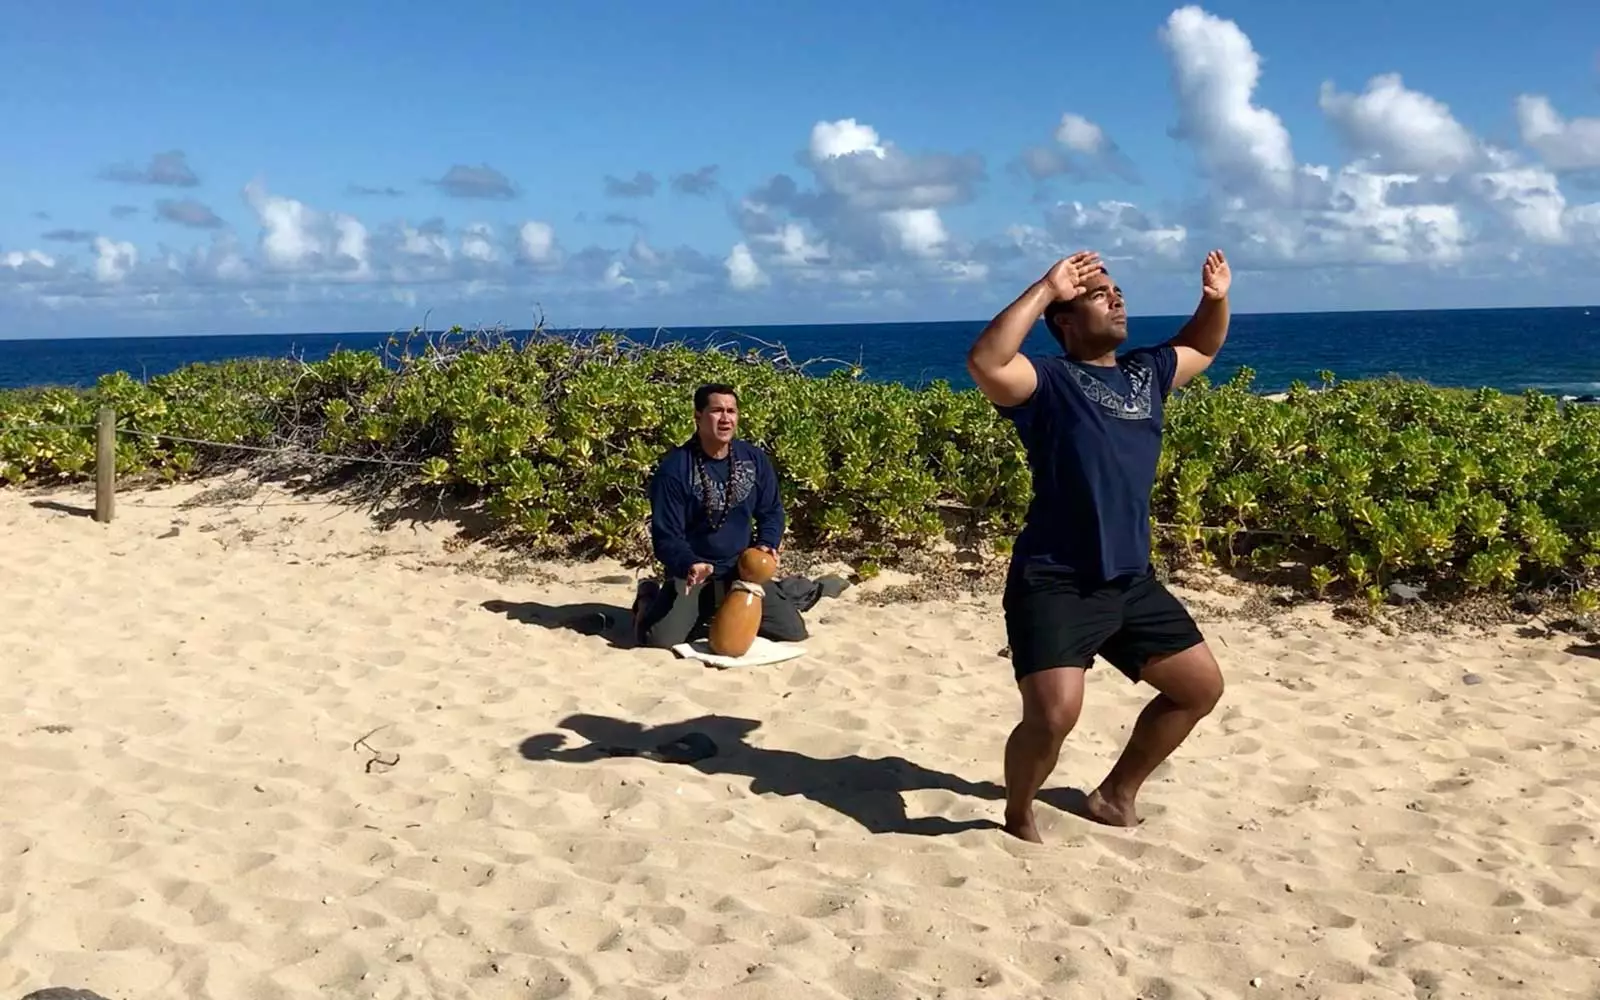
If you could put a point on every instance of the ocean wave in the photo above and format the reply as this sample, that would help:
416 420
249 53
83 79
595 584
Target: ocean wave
1569 388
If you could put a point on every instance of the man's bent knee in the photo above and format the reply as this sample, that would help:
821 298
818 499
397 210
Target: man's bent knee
1052 700
1191 679
671 617
781 621
656 638
784 632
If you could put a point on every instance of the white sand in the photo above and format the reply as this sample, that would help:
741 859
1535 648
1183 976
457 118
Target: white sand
185 815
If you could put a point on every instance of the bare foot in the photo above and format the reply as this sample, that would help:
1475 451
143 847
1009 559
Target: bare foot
1103 810
1023 829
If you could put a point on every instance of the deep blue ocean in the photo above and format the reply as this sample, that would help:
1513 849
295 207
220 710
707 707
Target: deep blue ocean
1555 350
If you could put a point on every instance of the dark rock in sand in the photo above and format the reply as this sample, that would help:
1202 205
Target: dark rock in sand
63 993
1471 679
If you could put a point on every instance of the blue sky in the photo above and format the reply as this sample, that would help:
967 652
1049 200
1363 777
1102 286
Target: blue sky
206 168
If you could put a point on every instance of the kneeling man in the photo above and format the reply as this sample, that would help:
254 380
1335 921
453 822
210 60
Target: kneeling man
713 497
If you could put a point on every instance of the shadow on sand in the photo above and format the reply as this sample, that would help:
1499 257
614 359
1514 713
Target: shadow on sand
612 622
62 508
864 789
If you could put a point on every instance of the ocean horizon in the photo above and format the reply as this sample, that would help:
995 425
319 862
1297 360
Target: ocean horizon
1551 349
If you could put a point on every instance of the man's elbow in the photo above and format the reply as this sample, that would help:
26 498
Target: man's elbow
977 366
985 374
1010 384
1195 352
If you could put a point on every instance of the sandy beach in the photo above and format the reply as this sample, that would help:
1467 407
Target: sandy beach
261 748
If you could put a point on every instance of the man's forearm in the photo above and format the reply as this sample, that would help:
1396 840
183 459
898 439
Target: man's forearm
769 516
669 520
1207 328
675 555
770 528
1002 338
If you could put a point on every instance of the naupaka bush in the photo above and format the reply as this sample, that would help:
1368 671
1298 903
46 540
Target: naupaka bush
1353 483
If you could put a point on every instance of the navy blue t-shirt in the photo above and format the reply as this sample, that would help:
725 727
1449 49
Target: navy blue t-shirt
1093 438
705 510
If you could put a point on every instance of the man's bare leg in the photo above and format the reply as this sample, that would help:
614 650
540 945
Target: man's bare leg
1051 701
1189 685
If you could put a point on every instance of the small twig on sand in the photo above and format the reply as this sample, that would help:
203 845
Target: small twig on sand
378 756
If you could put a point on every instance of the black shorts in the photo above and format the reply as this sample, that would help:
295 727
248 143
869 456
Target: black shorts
1054 619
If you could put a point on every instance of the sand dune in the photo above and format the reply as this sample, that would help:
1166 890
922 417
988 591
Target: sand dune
188 812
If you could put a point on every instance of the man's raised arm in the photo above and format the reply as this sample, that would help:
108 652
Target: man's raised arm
1199 340
995 363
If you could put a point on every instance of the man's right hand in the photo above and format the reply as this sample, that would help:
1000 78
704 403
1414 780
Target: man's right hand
995 362
1068 278
698 573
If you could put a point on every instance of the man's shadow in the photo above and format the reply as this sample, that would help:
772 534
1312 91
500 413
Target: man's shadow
866 789
609 621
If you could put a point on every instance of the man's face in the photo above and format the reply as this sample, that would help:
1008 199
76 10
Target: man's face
1099 315
719 419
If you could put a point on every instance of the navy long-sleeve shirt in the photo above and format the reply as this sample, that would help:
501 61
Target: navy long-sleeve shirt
684 530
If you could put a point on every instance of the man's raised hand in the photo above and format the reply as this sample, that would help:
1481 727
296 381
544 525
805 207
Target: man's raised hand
1068 277
1215 276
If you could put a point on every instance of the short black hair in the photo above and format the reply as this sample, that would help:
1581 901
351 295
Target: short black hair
702 395
1058 307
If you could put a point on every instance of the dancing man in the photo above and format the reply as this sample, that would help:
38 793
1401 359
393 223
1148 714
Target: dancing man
1081 581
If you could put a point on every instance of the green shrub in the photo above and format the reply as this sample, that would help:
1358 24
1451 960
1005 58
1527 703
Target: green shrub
1354 483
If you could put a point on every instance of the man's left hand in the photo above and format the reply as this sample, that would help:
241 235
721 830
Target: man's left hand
769 550
1215 276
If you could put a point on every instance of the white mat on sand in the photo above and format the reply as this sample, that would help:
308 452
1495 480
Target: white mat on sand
762 652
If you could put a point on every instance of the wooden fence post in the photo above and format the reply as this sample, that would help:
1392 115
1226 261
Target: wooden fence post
105 465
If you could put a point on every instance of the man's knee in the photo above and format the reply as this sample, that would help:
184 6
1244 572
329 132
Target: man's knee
781 621
1052 700
1191 679
785 629
670 618
1212 691
1058 718
657 637
661 632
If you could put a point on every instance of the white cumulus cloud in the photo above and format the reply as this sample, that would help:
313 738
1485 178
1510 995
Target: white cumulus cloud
1422 189
743 271
1404 130
19 259
477 243
113 260
1563 144
1080 135
831 140
296 237
537 242
919 230
1215 70
1409 198
1115 228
